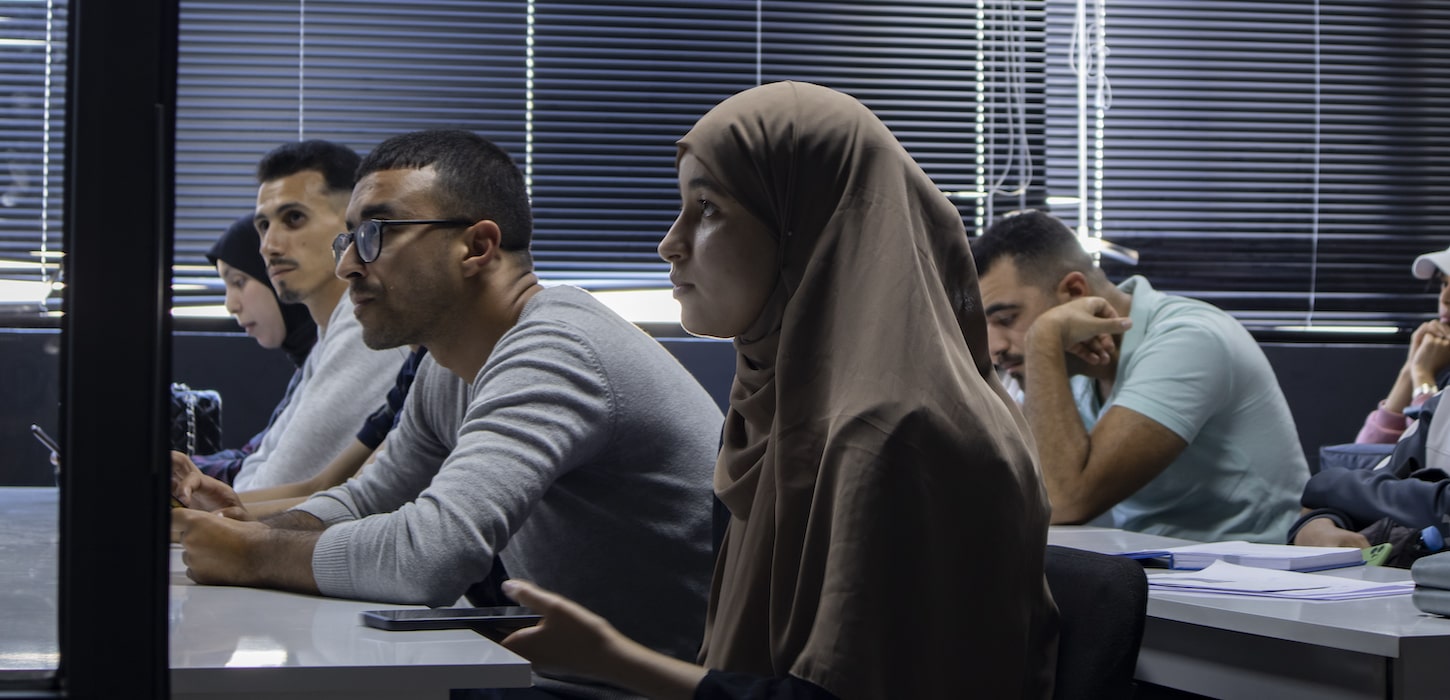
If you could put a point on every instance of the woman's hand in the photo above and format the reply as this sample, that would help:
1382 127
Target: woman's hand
571 640
1429 351
1322 532
197 490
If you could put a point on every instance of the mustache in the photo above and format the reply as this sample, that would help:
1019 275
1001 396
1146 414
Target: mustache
362 286
273 262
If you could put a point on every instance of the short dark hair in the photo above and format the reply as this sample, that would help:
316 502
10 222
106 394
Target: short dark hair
336 162
476 179
1042 247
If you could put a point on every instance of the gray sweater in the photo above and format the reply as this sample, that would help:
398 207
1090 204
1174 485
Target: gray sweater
581 455
342 382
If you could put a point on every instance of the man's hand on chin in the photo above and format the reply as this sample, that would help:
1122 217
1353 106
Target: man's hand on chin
1083 327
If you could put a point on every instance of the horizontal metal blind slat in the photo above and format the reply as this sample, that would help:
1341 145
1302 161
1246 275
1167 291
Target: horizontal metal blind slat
1228 133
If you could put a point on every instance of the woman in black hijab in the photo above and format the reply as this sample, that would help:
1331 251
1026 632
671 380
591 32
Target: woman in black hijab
252 301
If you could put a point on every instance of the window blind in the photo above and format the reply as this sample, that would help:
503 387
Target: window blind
615 84
32 138
254 75
933 72
1284 160
588 97
1280 159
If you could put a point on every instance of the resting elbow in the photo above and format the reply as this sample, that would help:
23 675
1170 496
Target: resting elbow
1075 512
1059 518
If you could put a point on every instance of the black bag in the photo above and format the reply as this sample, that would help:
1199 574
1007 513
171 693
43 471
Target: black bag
196 420
1405 544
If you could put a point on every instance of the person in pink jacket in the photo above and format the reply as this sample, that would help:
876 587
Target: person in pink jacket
1428 359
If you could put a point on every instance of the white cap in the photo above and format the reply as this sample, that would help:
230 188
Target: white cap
1425 265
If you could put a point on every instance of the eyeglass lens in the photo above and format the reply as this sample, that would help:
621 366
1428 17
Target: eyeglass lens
366 236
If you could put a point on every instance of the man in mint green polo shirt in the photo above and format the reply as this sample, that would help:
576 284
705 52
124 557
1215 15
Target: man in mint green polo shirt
1157 408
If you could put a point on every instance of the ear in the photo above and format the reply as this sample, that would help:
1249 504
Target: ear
482 239
1072 286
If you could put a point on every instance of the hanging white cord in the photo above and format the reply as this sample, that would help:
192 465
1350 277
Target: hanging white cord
1314 195
1017 60
982 208
1001 90
759 25
529 104
1013 14
45 149
1078 59
301 63
1001 106
1102 101
1087 57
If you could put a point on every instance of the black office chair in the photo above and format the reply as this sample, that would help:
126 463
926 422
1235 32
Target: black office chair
1103 601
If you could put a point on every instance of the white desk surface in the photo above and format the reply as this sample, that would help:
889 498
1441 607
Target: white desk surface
1345 637
243 642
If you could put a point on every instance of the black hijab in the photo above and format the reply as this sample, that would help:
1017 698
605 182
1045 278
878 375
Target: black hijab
240 248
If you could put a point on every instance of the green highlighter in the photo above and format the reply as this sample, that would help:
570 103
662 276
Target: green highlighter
1376 555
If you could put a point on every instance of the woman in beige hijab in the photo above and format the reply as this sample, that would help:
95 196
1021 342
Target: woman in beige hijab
887 519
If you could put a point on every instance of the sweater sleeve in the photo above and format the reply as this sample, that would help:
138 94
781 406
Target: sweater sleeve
1382 427
539 407
1368 495
415 451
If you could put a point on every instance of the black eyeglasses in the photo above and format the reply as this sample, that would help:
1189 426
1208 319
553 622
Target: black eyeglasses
369 236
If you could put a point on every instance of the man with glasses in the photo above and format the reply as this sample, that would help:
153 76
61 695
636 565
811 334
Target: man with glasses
543 430
1157 409
301 202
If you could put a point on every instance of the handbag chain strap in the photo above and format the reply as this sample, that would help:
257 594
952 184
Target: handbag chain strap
190 418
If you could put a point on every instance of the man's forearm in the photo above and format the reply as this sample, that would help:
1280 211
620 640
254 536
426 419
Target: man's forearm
286 551
222 551
1063 444
286 560
294 520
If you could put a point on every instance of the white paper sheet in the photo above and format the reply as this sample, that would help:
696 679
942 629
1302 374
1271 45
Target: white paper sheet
1231 579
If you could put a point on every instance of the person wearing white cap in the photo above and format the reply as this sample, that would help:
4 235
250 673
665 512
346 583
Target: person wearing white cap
1426 364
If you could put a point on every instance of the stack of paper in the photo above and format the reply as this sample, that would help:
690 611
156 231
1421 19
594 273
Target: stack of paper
1268 556
1231 579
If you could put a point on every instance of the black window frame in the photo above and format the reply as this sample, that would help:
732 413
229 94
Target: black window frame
114 516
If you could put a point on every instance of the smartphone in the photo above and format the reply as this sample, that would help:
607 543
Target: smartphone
49 442
502 618
44 439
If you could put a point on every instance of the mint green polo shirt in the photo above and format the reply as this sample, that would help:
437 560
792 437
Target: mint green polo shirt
1196 371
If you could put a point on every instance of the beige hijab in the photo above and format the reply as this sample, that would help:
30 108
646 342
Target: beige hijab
888 520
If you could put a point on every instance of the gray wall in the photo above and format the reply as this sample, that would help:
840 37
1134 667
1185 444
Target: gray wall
1332 387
